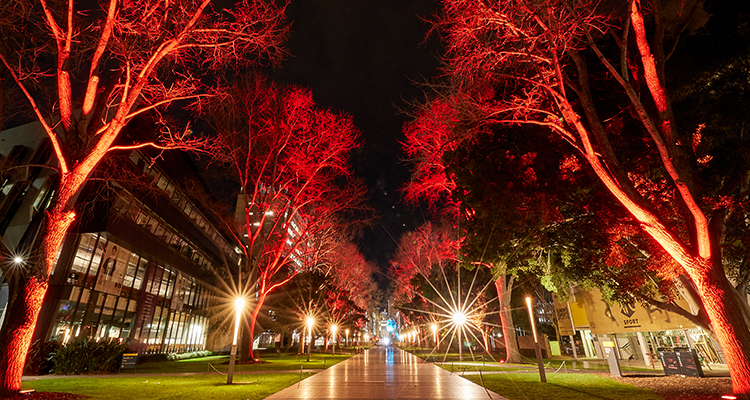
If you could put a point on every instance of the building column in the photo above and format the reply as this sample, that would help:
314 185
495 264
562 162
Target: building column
573 345
644 349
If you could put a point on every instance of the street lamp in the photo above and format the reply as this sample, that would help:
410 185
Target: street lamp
17 260
459 319
435 336
333 330
537 350
347 337
239 304
310 323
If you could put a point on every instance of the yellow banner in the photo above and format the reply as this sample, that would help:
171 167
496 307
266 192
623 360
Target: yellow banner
563 317
615 318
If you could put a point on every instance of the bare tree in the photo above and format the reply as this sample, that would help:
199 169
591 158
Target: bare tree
290 161
131 58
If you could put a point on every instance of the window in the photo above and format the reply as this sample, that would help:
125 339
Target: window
135 157
162 183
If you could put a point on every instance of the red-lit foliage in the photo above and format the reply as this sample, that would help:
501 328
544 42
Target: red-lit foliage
107 66
428 249
572 67
291 163
420 270
428 138
351 273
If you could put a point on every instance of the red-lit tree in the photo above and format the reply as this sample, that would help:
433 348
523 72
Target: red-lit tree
291 162
519 214
428 249
350 272
106 66
573 67
491 189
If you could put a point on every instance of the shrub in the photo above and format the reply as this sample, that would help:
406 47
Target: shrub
88 356
191 354
149 358
38 360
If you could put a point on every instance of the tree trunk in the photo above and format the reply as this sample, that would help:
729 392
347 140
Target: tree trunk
728 320
27 291
513 355
20 321
253 319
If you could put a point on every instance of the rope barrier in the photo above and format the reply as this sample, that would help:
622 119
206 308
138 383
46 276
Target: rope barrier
211 365
482 379
561 365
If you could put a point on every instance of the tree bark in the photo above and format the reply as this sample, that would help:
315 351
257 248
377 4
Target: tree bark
253 320
727 319
504 290
27 290
15 338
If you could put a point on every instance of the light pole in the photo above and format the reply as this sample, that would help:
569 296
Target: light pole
537 350
310 323
435 336
459 319
239 304
347 338
333 348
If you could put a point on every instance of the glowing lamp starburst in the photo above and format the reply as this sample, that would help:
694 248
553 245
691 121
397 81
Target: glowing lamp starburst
459 318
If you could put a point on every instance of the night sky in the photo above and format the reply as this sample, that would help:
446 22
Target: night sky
367 58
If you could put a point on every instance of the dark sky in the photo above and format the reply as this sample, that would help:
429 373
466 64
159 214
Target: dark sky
366 58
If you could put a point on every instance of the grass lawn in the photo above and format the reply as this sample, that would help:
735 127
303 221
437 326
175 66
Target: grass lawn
523 386
271 363
494 365
170 387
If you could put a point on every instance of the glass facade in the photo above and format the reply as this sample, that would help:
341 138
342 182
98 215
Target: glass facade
113 292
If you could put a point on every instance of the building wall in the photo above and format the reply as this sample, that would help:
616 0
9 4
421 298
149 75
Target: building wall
112 291
139 266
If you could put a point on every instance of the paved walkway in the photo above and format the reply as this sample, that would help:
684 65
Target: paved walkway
385 372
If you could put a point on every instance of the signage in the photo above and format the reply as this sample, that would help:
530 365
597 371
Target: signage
129 360
669 361
564 322
605 317
689 363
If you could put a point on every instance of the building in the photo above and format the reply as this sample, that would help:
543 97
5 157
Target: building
634 331
140 265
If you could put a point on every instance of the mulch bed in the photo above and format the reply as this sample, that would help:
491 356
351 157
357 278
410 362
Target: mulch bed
45 396
678 388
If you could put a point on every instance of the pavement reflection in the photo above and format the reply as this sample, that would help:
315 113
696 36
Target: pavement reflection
385 372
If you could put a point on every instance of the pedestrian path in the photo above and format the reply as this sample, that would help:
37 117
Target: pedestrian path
385 372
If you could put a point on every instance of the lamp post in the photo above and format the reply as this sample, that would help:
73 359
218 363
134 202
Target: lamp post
459 319
333 348
347 338
310 323
435 336
537 350
239 304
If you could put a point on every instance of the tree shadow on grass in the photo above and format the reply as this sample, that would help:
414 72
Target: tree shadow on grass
591 395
